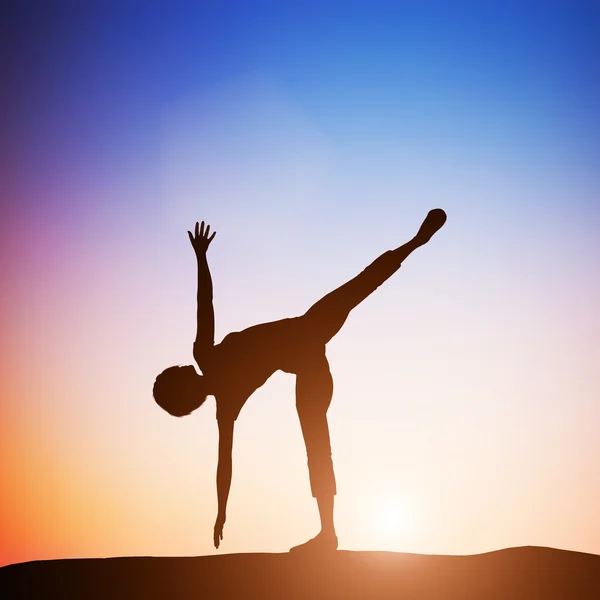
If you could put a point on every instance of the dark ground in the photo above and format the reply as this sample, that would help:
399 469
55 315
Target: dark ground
511 574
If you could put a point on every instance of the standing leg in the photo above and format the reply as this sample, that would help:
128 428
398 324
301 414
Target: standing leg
325 318
314 390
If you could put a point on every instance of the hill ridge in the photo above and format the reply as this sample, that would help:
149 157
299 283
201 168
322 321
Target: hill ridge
525 572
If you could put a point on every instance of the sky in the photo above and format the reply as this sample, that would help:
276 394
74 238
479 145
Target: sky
312 137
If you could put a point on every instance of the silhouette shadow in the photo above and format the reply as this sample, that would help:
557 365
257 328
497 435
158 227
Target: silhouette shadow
233 369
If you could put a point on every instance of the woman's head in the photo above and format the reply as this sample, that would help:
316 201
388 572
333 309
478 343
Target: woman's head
179 390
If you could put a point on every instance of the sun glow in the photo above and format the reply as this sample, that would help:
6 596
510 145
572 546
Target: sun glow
394 518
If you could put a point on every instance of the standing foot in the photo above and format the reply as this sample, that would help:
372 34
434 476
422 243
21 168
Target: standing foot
324 542
433 222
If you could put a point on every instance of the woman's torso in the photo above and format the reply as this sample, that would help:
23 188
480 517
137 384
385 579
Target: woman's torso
244 360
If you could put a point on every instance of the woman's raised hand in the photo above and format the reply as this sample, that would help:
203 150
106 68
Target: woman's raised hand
200 238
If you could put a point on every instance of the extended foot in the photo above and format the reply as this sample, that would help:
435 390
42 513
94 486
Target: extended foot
322 543
432 223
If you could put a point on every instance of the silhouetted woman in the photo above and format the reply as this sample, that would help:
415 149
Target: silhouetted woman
244 360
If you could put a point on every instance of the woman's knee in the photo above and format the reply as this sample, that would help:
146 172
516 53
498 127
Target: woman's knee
314 383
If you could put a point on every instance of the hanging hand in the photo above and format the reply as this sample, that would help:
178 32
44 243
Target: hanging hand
218 533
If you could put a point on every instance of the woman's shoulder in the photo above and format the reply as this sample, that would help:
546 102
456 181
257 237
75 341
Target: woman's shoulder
204 355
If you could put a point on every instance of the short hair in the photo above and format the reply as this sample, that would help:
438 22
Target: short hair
179 390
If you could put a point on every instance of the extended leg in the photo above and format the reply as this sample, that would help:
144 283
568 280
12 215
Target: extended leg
325 318
314 389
